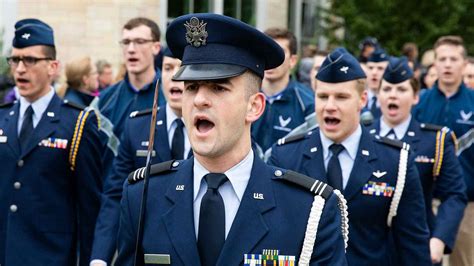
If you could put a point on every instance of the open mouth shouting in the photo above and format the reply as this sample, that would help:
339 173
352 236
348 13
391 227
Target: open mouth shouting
176 92
331 122
392 109
20 82
203 125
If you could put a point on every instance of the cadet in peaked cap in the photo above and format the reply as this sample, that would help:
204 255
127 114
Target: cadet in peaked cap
50 171
383 198
376 64
223 61
438 167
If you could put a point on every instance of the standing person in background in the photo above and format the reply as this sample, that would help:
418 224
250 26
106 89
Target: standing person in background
376 64
429 78
288 101
450 103
140 43
81 81
469 73
171 143
104 69
50 181
367 46
440 172
318 60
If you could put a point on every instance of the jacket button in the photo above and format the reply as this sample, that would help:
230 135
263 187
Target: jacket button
20 163
17 185
13 208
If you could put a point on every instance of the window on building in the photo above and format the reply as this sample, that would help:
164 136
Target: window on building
241 9
177 8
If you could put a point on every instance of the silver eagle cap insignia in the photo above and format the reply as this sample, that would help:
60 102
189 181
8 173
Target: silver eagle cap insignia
196 33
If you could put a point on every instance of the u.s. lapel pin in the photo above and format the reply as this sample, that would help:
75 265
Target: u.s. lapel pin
50 114
258 196
159 122
1 131
3 139
379 174
365 152
411 133
314 149
179 187
12 112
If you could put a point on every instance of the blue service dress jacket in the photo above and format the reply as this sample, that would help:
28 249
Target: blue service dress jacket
368 210
132 155
447 183
276 220
47 210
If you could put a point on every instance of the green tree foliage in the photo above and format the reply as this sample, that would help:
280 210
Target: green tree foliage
394 22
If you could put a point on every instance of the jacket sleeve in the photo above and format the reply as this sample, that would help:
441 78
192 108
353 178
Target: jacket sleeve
329 247
108 220
450 189
410 228
88 185
127 233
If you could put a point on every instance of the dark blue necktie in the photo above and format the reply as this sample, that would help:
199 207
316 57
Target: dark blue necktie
211 234
391 132
26 127
334 171
177 144
373 108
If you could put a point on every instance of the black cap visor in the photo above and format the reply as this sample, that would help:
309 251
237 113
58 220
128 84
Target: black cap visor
208 72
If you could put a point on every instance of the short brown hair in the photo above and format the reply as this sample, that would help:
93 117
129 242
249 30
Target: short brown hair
254 82
282 33
360 85
102 65
415 84
453 40
136 22
76 69
49 51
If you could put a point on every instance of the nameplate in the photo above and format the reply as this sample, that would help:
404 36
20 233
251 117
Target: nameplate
144 153
157 259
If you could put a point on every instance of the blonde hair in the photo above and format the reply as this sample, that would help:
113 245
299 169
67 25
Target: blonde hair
76 70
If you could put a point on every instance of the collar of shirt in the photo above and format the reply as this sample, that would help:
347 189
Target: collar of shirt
400 130
238 176
370 96
39 106
146 87
351 144
282 95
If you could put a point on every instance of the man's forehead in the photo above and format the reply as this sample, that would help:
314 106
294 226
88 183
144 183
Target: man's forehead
449 48
36 50
377 64
171 60
141 31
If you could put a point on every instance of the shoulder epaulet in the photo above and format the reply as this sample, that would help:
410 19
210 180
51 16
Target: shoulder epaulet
75 105
431 127
391 142
315 186
294 138
142 112
5 105
155 169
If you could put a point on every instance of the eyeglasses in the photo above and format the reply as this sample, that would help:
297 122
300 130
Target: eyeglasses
138 42
28 61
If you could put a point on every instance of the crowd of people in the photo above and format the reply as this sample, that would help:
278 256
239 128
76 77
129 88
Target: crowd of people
341 164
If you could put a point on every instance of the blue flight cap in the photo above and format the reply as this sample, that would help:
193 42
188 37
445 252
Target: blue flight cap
30 32
379 55
213 46
397 70
167 52
340 66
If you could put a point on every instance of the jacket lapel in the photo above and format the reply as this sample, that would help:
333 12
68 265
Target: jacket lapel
363 166
179 220
161 137
11 130
412 136
46 126
313 158
249 227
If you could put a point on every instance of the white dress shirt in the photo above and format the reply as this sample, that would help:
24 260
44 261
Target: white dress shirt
400 130
231 192
347 156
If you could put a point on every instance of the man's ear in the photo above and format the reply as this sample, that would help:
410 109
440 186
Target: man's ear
255 107
293 60
156 48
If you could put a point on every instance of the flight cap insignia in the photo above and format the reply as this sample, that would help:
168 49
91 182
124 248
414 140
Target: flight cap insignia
196 33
